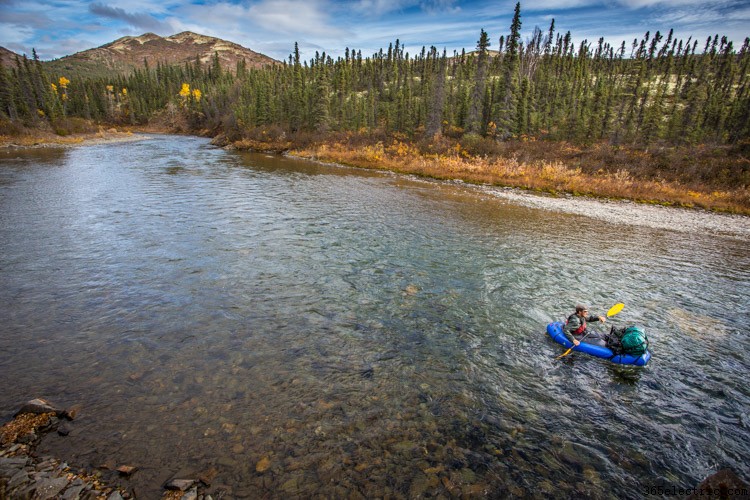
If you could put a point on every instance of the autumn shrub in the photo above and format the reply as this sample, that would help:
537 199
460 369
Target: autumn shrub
402 149
11 128
307 138
434 146
453 131
471 142
72 125
368 137
268 134
230 127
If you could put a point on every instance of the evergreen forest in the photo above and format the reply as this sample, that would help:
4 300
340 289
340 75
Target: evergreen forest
658 89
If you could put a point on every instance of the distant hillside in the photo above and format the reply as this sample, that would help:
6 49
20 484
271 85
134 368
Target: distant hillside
127 53
7 58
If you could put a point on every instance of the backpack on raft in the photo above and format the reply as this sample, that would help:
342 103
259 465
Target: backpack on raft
629 340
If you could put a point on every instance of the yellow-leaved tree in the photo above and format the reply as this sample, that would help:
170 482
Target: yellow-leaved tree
188 96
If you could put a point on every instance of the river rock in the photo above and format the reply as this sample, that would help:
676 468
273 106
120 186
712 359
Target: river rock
73 492
291 486
126 470
263 465
64 429
207 476
191 494
419 485
723 484
18 479
38 406
49 488
180 484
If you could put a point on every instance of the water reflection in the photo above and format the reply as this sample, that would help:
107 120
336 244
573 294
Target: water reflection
294 328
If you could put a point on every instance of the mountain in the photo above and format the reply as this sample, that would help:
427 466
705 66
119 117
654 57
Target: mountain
127 53
7 58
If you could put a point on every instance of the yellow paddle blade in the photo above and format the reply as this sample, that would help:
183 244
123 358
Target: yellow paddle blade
615 309
564 354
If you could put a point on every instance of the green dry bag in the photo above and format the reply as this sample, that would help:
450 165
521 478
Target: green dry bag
634 341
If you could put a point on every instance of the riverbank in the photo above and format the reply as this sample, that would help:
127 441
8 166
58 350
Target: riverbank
50 140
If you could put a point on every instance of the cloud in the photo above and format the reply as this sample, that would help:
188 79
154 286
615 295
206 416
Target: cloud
268 19
554 5
439 6
29 20
137 20
294 17
638 4
378 8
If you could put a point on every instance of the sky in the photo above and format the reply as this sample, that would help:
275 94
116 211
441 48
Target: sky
56 28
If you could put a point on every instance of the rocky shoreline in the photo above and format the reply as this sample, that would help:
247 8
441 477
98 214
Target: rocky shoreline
24 474
624 212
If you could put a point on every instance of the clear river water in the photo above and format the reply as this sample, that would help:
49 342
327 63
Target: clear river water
286 328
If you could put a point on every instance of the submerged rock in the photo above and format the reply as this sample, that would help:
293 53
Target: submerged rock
126 470
723 484
39 406
180 484
263 464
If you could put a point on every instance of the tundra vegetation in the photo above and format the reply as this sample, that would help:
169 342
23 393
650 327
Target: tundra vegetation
661 120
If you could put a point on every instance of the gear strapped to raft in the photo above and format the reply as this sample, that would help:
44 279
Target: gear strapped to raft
628 340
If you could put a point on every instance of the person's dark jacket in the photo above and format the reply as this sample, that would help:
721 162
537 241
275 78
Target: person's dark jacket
574 324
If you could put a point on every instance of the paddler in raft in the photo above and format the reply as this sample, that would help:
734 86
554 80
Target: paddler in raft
576 327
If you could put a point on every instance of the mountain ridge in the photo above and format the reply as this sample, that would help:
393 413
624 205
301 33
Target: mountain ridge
127 53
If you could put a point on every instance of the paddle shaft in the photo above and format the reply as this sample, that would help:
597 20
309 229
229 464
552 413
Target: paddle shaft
571 349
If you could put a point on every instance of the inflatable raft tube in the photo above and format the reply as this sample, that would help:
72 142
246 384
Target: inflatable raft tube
555 330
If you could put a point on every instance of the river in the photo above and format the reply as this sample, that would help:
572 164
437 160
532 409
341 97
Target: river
288 328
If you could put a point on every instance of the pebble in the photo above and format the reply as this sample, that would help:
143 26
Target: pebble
180 484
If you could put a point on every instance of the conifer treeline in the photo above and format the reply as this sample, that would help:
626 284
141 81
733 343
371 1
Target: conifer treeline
657 89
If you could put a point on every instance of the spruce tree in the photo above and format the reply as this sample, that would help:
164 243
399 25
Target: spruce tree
474 120
507 115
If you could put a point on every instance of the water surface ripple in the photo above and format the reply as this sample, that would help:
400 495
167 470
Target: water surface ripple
302 329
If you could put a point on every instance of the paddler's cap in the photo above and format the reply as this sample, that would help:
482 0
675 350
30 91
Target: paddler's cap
581 307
